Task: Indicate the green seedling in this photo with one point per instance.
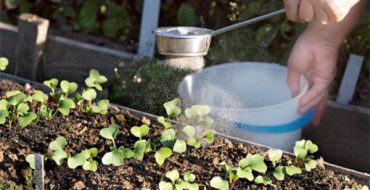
(279, 172)
(192, 130)
(302, 151)
(31, 161)
(141, 146)
(292, 170)
(259, 180)
(3, 63)
(95, 80)
(53, 84)
(117, 155)
(68, 87)
(219, 183)
(84, 159)
(244, 170)
(15, 107)
(176, 183)
(100, 107)
(57, 146)
(274, 155)
(162, 154)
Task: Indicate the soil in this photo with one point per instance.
(82, 131)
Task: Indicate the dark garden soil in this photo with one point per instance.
(82, 131)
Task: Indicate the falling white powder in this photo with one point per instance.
(185, 63)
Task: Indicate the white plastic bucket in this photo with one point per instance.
(249, 100)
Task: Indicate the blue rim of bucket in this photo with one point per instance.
(297, 124)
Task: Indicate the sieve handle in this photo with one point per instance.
(247, 22)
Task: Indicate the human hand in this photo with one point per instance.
(323, 11)
(315, 59)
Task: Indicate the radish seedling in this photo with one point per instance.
(117, 155)
(68, 88)
(302, 149)
(274, 155)
(3, 63)
(262, 180)
(101, 106)
(192, 129)
(95, 80)
(219, 183)
(141, 146)
(57, 147)
(84, 159)
(244, 170)
(177, 183)
(53, 84)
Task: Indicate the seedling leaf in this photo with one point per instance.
(39, 96)
(162, 154)
(310, 147)
(300, 152)
(26, 119)
(197, 110)
(245, 173)
(68, 87)
(292, 170)
(127, 153)
(219, 183)
(3, 63)
(15, 98)
(89, 153)
(115, 158)
(140, 132)
(3, 115)
(90, 165)
(173, 175)
(189, 131)
(76, 160)
(95, 79)
(110, 132)
(89, 94)
(279, 173)
(52, 83)
(65, 105)
(58, 144)
(22, 108)
(103, 105)
(180, 146)
(310, 164)
(4, 104)
(209, 136)
(168, 135)
(58, 156)
(163, 121)
(274, 155)
(263, 180)
(255, 162)
(173, 107)
(31, 160)
(139, 149)
(165, 185)
(189, 177)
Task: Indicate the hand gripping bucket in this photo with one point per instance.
(249, 100)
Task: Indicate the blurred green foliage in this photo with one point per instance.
(145, 85)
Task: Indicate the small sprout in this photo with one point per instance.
(302, 149)
(101, 107)
(68, 87)
(140, 132)
(95, 80)
(163, 121)
(177, 183)
(52, 84)
(254, 162)
(26, 119)
(3, 63)
(279, 173)
(274, 155)
(65, 105)
(40, 97)
(162, 154)
(292, 170)
(263, 180)
(140, 148)
(84, 159)
(173, 108)
(179, 146)
(219, 183)
(58, 153)
(31, 161)
(117, 155)
(89, 94)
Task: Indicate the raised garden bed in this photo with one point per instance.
(82, 131)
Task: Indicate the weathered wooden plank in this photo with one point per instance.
(349, 80)
(32, 34)
(343, 137)
(8, 38)
(149, 22)
(72, 60)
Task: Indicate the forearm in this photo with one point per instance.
(335, 32)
